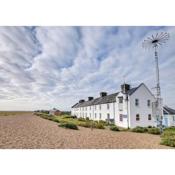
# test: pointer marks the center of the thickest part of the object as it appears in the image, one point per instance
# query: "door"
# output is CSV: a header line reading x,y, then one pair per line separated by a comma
x,y
166,121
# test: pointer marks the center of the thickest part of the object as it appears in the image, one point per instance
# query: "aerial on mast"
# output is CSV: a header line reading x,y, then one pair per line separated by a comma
x,y
154,42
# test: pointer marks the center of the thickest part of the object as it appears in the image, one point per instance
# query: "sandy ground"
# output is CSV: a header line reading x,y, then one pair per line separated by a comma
x,y
30,131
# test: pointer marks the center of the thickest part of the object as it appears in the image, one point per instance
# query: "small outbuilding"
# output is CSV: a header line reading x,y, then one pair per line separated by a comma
x,y
168,116
55,111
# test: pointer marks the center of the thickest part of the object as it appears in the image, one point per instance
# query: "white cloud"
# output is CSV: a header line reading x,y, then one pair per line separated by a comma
x,y
44,67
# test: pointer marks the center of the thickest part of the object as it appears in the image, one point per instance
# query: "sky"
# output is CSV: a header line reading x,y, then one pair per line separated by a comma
x,y
46,67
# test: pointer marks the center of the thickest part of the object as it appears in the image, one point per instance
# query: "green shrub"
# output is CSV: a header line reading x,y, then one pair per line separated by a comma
x,y
48,118
155,131
114,128
168,137
172,128
56,120
45,116
139,129
87,118
69,126
81,119
99,126
149,126
67,116
86,124
103,122
73,116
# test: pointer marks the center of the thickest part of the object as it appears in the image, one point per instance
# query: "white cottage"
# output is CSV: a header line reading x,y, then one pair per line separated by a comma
x,y
130,107
168,116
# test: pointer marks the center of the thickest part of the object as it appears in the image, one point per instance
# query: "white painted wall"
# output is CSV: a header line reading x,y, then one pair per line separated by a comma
x,y
170,120
143,94
121,109
104,111
127,109
94,112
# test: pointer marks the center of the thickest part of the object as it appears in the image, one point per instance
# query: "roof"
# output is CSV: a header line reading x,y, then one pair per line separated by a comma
x,y
167,110
54,109
101,100
111,98
105,99
132,90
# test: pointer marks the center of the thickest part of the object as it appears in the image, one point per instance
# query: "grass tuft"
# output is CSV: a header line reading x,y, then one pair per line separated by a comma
x,y
155,131
168,137
114,128
139,129
68,126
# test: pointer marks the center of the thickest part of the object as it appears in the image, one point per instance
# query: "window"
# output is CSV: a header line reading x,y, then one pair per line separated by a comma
x,y
174,118
121,117
149,116
95,115
148,103
108,116
137,102
100,107
90,115
100,116
120,99
95,107
137,117
108,106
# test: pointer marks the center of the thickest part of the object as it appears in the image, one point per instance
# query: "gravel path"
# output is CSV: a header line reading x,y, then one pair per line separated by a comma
x,y
29,131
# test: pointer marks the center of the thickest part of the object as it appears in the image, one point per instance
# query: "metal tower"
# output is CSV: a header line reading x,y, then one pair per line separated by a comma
x,y
154,42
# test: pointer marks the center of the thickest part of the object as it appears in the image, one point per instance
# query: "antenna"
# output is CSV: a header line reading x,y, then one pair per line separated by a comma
x,y
154,42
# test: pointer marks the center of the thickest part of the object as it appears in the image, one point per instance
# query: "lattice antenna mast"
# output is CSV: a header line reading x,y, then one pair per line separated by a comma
x,y
158,92
154,42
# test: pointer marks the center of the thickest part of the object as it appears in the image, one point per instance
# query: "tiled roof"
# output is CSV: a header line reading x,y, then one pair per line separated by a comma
x,y
101,100
131,91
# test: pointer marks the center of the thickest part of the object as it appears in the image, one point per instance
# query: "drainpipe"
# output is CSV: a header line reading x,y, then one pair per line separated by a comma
x,y
127,109
114,111
92,123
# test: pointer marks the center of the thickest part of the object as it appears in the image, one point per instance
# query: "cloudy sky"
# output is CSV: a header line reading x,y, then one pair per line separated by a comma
x,y
46,67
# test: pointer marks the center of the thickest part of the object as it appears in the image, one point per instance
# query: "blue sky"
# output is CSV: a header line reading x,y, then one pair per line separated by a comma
x,y
46,67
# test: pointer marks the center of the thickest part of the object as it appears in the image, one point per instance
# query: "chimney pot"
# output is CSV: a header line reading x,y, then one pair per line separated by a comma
x,y
103,94
90,98
81,101
125,87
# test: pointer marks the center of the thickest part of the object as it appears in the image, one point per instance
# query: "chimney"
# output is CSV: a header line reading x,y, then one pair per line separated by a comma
x,y
81,101
90,98
125,87
103,94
